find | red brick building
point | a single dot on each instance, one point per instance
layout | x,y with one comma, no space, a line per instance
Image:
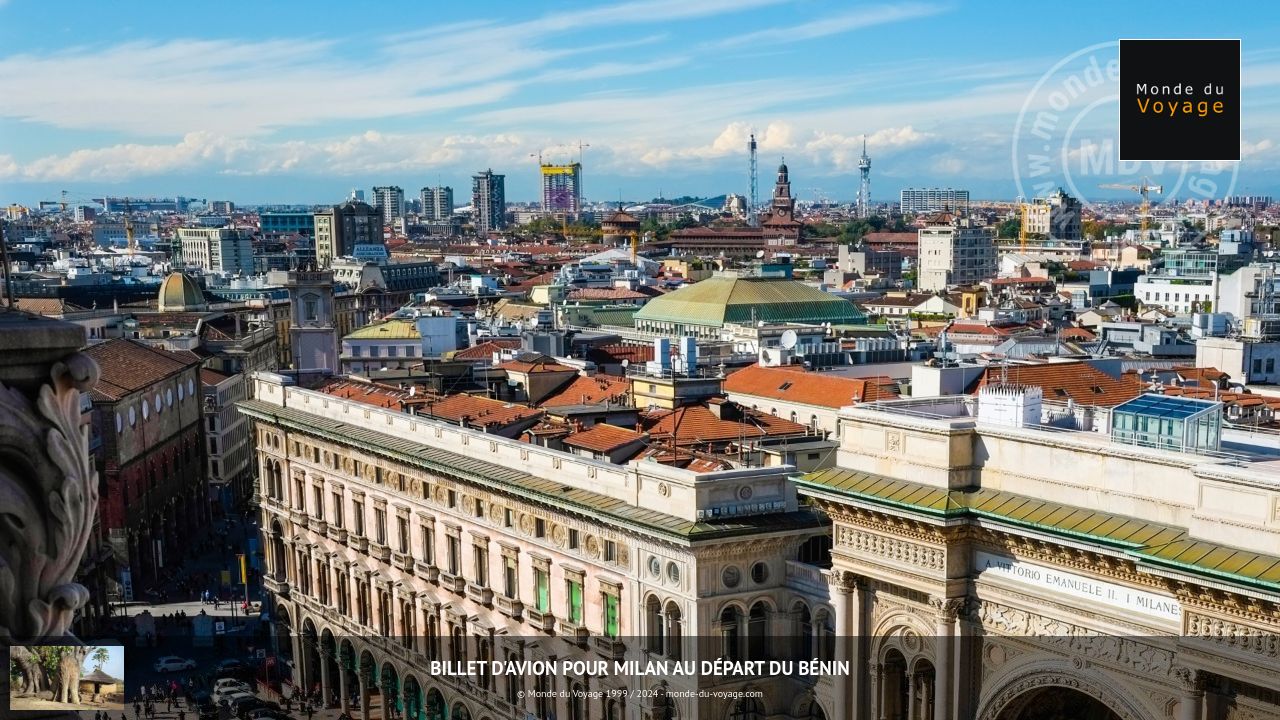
151,460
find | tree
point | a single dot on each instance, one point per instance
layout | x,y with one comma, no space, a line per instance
1009,228
99,657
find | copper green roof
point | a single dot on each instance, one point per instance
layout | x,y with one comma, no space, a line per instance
393,329
1141,540
522,484
729,299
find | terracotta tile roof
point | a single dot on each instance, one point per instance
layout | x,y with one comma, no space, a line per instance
698,425
1080,265
1075,333
808,388
604,438
910,300
1077,381
595,390
368,393
129,366
543,364
1208,377
486,349
478,412
211,377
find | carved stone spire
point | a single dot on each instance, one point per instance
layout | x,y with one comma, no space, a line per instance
48,484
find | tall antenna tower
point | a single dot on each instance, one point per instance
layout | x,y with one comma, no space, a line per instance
864,188
753,203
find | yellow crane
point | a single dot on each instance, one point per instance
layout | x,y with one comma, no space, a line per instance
1022,227
1144,211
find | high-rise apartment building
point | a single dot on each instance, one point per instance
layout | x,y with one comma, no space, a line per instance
1055,218
389,200
222,249
562,188
340,229
955,250
489,201
922,200
437,203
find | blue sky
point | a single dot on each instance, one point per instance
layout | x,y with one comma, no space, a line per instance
301,101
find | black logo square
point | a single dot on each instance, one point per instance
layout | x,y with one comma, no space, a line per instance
1180,100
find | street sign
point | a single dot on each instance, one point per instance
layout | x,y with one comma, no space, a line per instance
126,584
220,628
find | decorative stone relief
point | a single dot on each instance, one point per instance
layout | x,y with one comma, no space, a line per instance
1232,635
1075,641
48,500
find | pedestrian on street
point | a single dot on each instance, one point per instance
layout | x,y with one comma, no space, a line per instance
311,710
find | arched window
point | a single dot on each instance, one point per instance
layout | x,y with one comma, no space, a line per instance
731,633
675,631
758,631
794,416
577,710
654,622
803,631
826,631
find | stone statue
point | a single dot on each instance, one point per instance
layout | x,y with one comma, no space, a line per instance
48,485
67,687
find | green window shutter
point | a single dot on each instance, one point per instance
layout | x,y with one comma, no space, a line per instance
544,591
611,615
575,603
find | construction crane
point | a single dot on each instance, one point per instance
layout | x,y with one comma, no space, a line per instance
1144,211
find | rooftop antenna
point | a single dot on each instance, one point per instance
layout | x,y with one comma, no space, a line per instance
754,202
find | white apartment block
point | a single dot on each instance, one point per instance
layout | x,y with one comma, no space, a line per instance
956,251
225,250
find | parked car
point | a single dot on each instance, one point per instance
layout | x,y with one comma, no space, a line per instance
173,663
242,707
228,682
230,695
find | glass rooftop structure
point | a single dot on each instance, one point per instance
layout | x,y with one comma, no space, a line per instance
1175,423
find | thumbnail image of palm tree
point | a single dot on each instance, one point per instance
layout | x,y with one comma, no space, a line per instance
54,677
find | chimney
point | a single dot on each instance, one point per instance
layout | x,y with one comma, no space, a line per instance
1010,405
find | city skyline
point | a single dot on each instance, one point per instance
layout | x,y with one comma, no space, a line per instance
279,107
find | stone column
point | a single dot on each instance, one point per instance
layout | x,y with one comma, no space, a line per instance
840,590
946,609
876,683
344,692
1191,704
324,672
299,656
913,696
364,695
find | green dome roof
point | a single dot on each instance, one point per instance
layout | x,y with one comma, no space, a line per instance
730,299
180,293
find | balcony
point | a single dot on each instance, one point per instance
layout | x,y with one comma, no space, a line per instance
574,632
430,573
806,578
402,561
299,517
337,533
480,594
545,622
609,648
319,526
359,543
380,551
455,584
276,583
510,607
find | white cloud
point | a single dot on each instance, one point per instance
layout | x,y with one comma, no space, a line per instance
858,19
230,87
